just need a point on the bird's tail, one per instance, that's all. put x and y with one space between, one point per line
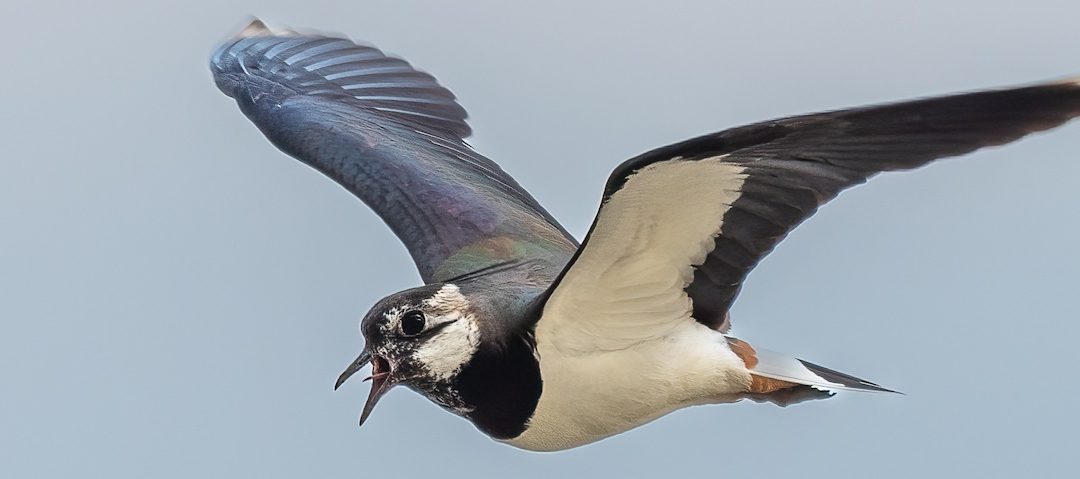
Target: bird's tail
775 366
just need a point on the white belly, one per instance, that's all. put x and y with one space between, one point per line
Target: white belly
589 397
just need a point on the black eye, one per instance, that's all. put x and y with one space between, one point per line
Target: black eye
412 323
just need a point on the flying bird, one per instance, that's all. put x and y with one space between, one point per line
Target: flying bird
547 344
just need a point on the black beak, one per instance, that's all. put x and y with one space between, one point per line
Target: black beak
360 362
381 380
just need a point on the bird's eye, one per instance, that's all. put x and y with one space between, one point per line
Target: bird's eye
412 323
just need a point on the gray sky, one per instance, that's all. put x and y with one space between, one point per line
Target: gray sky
178 296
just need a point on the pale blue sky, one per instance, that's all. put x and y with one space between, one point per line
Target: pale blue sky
178 296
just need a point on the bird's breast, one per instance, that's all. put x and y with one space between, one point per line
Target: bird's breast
590 396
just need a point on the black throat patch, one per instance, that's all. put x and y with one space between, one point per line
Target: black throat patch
502 386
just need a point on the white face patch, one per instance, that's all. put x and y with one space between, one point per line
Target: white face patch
445 353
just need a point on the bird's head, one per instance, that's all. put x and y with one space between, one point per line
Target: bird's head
420 338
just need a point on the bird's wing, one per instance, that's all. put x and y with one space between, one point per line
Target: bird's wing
394 138
680 227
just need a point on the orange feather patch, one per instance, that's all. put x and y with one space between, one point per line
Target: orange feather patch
758 384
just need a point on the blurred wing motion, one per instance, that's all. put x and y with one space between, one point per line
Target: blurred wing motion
680 227
394 138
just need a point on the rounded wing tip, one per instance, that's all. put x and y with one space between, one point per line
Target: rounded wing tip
1073 81
254 28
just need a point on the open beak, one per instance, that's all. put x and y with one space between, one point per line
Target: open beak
360 362
381 380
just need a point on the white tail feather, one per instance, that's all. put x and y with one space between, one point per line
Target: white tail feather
774 365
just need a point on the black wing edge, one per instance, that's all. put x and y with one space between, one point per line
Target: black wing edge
798 163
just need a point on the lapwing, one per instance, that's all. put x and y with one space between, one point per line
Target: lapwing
547 344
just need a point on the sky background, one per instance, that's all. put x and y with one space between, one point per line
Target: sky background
177 297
